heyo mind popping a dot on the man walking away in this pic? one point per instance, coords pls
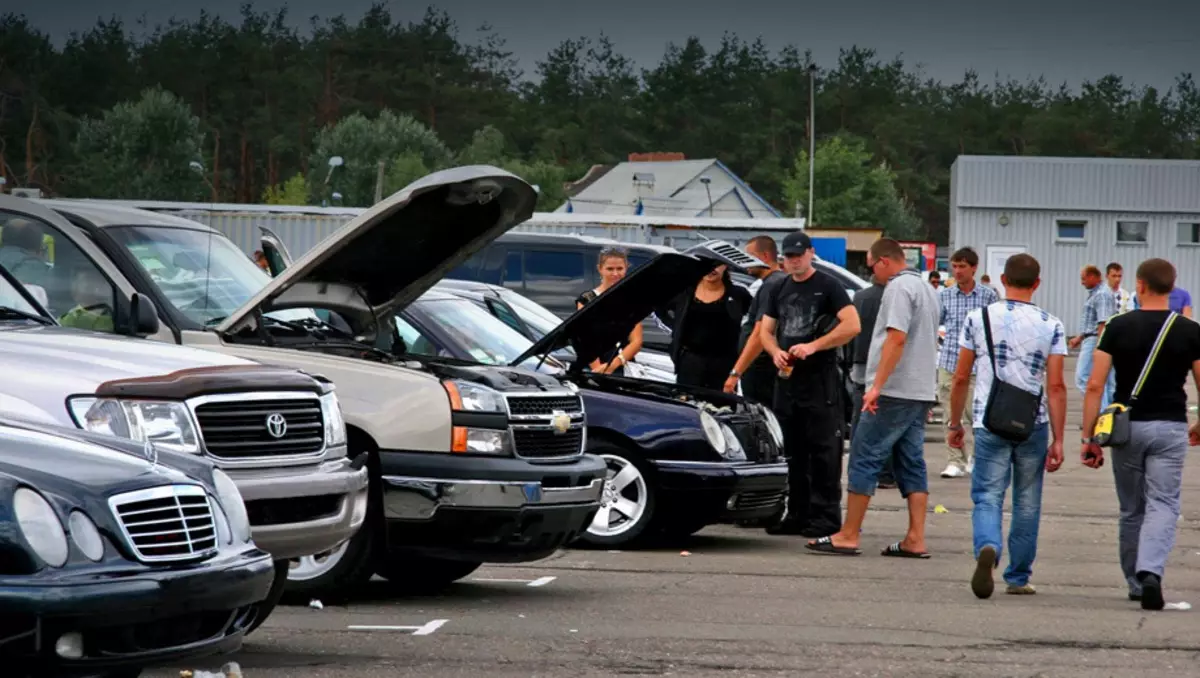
(956, 302)
(806, 318)
(902, 386)
(1101, 305)
(1029, 347)
(866, 302)
(1151, 350)
(754, 368)
(1113, 275)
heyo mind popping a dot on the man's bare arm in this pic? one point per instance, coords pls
(893, 348)
(847, 328)
(1056, 395)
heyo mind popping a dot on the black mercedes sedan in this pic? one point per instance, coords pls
(115, 557)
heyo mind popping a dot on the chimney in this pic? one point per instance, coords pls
(656, 156)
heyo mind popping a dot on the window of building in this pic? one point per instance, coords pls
(1189, 233)
(1070, 230)
(1133, 232)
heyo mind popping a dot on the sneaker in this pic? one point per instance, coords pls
(971, 465)
(953, 471)
(1023, 590)
(981, 582)
(1152, 596)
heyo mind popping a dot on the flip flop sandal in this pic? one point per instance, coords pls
(825, 546)
(897, 551)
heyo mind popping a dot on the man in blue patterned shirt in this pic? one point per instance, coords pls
(1101, 305)
(957, 302)
(1029, 349)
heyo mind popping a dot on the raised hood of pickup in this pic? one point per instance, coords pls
(391, 253)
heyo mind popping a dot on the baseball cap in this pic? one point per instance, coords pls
(797, 242)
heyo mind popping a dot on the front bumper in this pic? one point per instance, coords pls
(299, 511)
(132, 616)
(487, 510)
(718, 492)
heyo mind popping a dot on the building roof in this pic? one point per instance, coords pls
(1075, 184)
(663, 187)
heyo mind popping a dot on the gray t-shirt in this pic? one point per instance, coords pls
(910, 305)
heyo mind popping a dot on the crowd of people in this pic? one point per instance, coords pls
(999, 374)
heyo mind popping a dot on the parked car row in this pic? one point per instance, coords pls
(186, 432)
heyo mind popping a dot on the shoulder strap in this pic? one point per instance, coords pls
(987, 338)
(1162, 335)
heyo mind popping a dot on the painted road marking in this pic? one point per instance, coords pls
(423, 630)
(540, 581)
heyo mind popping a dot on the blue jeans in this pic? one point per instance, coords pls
(1083, 372)
(896, 430)
(997, 462)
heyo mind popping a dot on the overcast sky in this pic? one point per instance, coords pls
(1146, 41)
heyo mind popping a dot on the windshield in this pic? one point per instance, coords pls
(206, 277)
(11, 298)
(475, 332)
(540, 320)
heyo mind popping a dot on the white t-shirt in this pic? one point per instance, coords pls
(1024, 337)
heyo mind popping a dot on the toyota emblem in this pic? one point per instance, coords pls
(276, 425)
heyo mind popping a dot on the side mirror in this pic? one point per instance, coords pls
(143, 316)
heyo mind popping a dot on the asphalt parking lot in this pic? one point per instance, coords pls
(739, 602)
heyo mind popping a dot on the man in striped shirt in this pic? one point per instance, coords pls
(957, 301)
(1101, 305)
(1114, 274)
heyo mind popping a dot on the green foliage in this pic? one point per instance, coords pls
(362, 143)
(294, 191)
(274, 101)
(141, 149)
(851, 189)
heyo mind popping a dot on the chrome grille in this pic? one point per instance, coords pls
(537, 425)
(241, 428)
(173, 522)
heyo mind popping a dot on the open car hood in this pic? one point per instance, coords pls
(610, 317)
(390, 254)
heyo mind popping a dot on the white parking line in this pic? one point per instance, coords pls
(423, 630)
(540, 581)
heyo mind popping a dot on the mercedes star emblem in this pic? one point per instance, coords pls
(276, 425)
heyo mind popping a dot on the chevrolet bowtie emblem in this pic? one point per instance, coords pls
(561, 421)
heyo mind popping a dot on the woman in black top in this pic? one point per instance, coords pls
(705, 324)
(613, 265)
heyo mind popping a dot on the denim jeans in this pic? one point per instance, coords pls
(897, 430)
(888, 475)
(1083, 372)
(997, 463)
(1149, 473)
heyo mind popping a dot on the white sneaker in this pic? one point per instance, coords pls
(971, 465)
(953, 471)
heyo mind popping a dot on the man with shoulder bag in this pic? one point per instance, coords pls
(1017, 351)
(1151, 350)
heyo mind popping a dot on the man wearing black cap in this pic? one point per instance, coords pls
(806, 318)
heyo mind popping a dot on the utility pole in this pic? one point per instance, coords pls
(379, 182)
(812, 139)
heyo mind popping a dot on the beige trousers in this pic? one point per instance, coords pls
(945, 383)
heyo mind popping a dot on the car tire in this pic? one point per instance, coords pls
(418, 574)
(640, 493)
(273, 596)
(333, 576)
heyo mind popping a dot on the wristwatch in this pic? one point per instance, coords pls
(955, 427)
(734, 374)
(1087, 441)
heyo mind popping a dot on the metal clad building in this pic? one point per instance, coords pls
(301, 227)
(1070, 212)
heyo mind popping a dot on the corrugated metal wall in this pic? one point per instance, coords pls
(1086, 184)
(1060, 291)
(302, 232)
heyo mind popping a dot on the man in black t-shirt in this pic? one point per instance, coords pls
(1148, 469)
(754, 368)
(806, 318)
